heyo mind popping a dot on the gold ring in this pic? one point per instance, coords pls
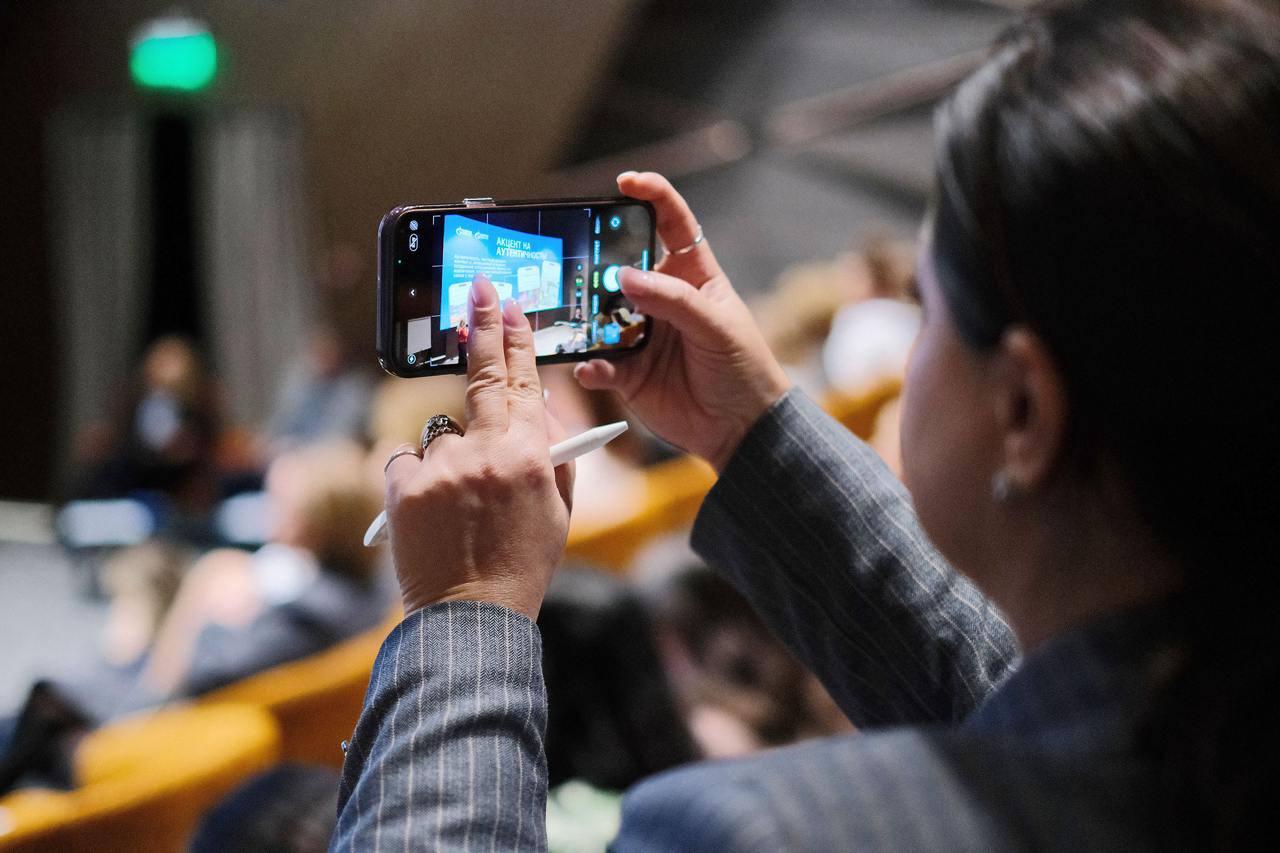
(406, 450)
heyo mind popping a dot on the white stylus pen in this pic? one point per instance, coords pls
(565, 451)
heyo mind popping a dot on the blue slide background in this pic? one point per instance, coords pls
(472, 247)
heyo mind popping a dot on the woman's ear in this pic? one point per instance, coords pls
(1031, 409)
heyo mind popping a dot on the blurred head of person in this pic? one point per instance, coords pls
(1088, 421)
(321, 501)
(723, 659)
(612, 719)
(291, 808)
(175, 414)
(796, 314)
(171, 365)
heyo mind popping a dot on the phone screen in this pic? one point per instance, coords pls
(559, 262)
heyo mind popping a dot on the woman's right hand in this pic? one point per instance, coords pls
(706, 375)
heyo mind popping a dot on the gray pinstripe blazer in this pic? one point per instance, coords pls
(809, 524)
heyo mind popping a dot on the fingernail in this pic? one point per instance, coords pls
(483, 294)
(622, 175)
(512, 315)
(634, 279)
(546, 394)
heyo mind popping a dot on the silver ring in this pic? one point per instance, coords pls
(407, 450)
(689, 248)
(438, 425)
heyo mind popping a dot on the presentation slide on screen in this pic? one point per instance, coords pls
(525, 267)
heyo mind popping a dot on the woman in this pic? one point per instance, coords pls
(1087, 439)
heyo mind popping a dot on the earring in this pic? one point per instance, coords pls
(1001, 486)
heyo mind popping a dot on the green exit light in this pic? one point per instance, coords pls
(174, 53)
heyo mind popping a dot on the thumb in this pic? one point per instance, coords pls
(685, 307)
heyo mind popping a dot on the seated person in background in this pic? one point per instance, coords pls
(613, 719)
(846, 326)
(313, 585)
(869, 338)
(287, 809)
(797, 315)
(323, 397)
(161, 438)
(742, 690)
(235, 613)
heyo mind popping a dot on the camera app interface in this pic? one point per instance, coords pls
(560, 264)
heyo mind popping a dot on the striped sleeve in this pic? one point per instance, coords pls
(815, 531)
(448, 752)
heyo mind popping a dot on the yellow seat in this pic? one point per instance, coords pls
(145, 781)
(673, 490)
(316, 700)
(858, 412)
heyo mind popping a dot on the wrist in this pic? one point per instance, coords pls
(723, 453)
(521, 601)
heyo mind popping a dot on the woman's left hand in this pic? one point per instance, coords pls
(484, 517)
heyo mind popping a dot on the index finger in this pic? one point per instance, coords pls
(524, 390)
(486, 400)
(676, 224)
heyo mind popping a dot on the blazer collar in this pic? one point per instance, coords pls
(1088, 684)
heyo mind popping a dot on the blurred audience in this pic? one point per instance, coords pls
(742, 690)
(234, 613)
(291, 808)
(846, 326)
(609, 484)
(869, 338)
(612, 718)
(161, 437)
(314, 584)
(140, 583)
(798, 315)
(324, 396)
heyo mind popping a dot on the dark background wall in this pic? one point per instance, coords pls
(399, 101)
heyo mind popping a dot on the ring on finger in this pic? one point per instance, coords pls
(684, 250)
(402, 450)
(438, 425)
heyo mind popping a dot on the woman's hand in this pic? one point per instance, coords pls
(483, 517)
(707, 374)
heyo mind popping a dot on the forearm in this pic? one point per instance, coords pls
(812, 527)
(449, 748)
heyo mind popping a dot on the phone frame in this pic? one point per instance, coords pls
(385, 324)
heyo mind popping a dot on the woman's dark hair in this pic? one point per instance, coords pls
(1110, 178)
(612, 719)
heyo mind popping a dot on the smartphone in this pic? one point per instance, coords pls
(559, 259)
